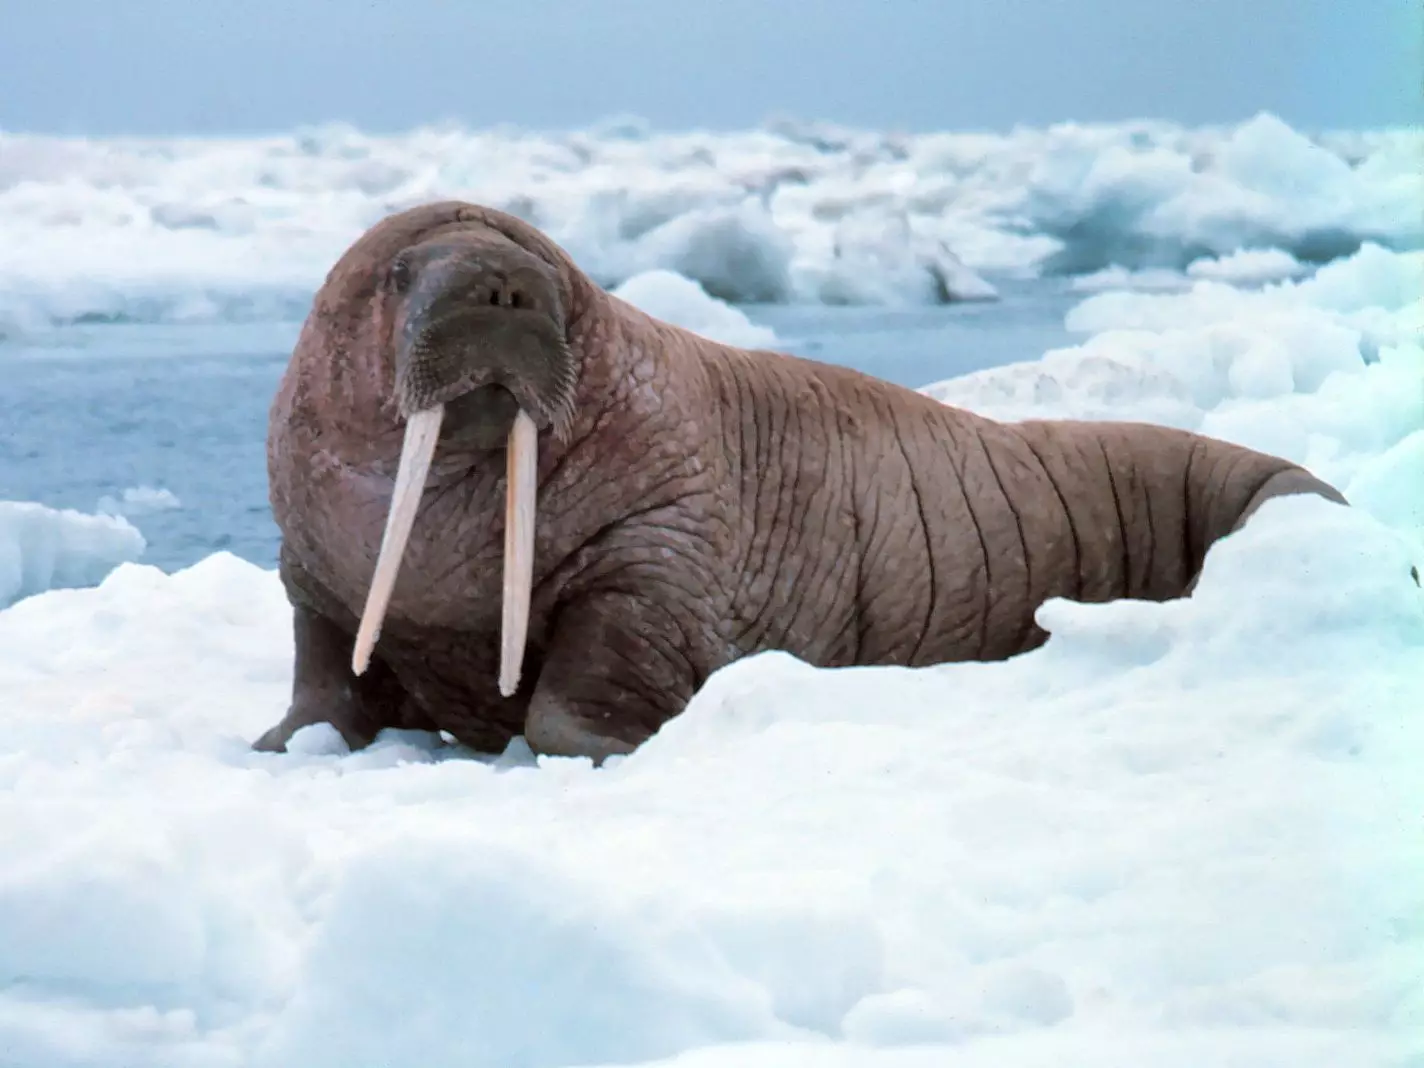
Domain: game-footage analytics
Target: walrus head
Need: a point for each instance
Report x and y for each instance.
(479, 340)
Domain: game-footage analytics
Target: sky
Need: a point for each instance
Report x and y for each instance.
(102, 67)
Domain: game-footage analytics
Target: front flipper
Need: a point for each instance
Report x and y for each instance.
(615, 671)
(325, 691)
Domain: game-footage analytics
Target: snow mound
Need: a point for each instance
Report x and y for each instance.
(1173, 824)
(45, 548)
(669, 296)
(194, 229)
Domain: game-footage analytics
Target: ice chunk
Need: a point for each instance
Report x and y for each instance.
(46, 548)
(735, 255)
(1248, 265)
(681, 301)
(139, 500)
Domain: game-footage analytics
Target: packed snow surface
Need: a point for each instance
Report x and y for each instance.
(1178, 834)
(190, 230)
(1178, 829)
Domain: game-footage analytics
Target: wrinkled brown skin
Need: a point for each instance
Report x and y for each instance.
(698, 503)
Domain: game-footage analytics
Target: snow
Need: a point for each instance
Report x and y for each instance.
(1327, 371)
(45, 548)
(1101, 843)
(195, 230)
(669, 296)
(1178, 834)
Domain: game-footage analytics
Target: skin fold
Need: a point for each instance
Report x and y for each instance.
(696, 503)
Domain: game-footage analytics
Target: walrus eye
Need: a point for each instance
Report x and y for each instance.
(400, 276)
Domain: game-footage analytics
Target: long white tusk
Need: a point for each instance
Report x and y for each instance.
(523, 466)
(422, 430)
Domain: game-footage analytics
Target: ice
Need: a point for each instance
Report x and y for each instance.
(1248, 265)
(139, 500)
(1156, 196)
(1178, 834)
(1242, 267)
(1175, 827)
(735, 254)
(196, 229)
(1115, 278)
(669, 296)
(1327, 371)
(1391, 485)
(46, 548)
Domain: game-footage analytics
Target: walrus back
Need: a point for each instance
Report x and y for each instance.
(878, 526)
(1167, 496)
(1015, 514)
(923, 533)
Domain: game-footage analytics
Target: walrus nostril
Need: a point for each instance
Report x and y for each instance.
(400, 276)
(506, 296)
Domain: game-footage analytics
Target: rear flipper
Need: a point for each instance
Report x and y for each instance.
(1291, 482)
(325, 691)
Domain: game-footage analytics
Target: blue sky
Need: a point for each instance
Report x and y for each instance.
(198, 66)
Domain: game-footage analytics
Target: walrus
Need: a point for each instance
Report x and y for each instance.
(512, 504)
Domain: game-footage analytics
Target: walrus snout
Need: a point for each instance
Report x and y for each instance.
(477, 317)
